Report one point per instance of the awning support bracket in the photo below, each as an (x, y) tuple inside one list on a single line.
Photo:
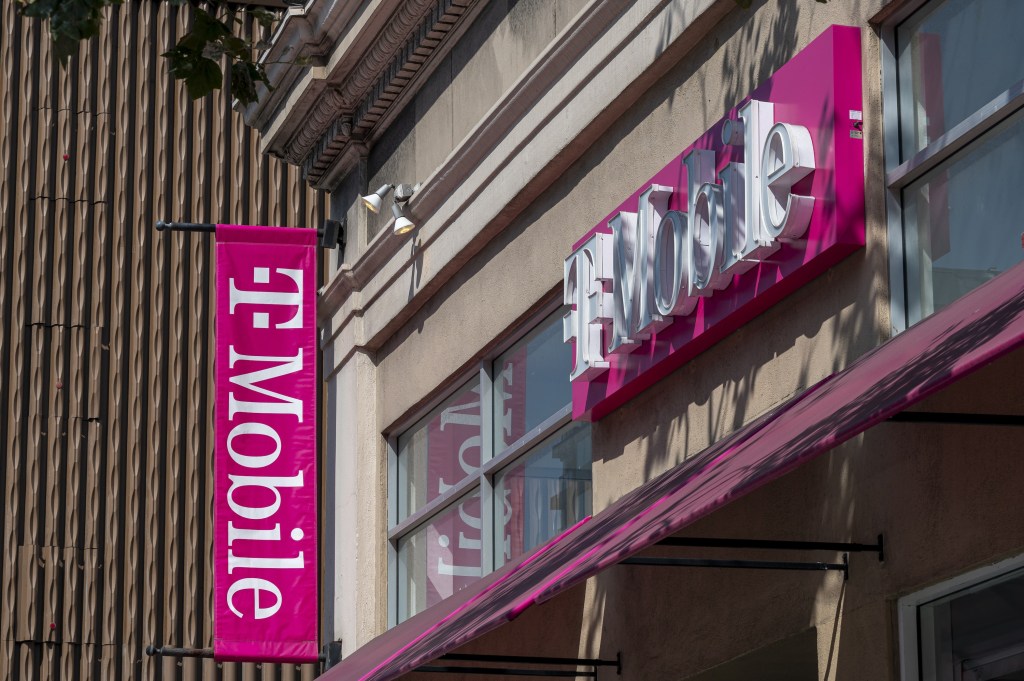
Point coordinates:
[(777, 545), (843, 567), (761, 544), (549, 671), (958, 418)]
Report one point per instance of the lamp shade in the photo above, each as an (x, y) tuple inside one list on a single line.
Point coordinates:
[(374, 201), (403, 225)]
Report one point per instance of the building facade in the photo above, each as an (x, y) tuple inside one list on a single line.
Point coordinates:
[(679, 271), (106, 347)]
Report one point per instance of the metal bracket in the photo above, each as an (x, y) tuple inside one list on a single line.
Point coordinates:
[(778, 545), (769, 544), (843, 567), (330, 655), (171, 651), (593, 663), (958, 418), (332, 234)]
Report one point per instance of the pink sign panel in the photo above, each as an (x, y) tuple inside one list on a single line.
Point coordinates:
[(767, 199), (265, 489), (454, 539)]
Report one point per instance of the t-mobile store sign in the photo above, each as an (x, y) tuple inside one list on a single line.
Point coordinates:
[(265, 501), (767, 199)]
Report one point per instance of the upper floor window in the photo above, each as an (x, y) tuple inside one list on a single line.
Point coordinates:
[(955, 150), (492, 472), (970, 628)]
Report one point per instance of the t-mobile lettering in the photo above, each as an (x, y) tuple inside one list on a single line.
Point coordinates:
[(768, 198), (265, 472)]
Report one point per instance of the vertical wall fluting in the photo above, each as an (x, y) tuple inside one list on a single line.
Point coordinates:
[(106, 347)]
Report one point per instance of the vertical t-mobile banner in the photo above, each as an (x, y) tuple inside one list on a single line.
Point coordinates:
[(265, 503)]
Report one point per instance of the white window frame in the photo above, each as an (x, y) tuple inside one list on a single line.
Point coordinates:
[(907, 609), (900, 174), (483, 479)]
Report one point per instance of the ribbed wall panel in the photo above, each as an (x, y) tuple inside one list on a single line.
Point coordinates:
[(106, 348)]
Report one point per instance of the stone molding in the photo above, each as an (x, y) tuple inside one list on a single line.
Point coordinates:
[(313, 115), (372, 102), (553, 113)]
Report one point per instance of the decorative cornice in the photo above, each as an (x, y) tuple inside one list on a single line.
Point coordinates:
[(391, 40), (320, 117), (385, 77), (345, 95)]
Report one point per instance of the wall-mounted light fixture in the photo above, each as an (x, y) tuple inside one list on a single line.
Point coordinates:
[(403, 225), (373, 201), (403, 192)]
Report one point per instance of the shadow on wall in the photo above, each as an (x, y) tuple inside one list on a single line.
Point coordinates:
[(843, 308), (843, 496)]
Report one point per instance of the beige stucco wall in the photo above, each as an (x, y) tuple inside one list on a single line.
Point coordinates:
[(908, 481), (521, 267), (499, 46)]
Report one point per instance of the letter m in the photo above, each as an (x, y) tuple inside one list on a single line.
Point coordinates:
[(278, 403)]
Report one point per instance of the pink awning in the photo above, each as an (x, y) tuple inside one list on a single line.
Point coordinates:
[(970, 333)]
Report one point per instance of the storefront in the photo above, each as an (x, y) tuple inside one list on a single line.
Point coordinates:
[(689, 288)]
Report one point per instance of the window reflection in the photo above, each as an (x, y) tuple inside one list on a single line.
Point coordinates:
[(531, 382), (955, 57), (976, 634), (965, 218), (544, 493), (440, 558), (440, 451)]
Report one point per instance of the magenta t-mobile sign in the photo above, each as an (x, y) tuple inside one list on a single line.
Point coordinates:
[(767, 199), (265, 490)]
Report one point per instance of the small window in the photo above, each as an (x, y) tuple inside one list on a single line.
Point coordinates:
[(968, 629), (955, 150), (493, 471)]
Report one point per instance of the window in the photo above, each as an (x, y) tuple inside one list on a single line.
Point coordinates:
[(968, 629), (492, 472), (955, 150)]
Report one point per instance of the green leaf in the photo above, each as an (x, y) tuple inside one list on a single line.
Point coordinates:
[(244, 76), (201, 75), (236, 47), (70, 21), (206, 29)]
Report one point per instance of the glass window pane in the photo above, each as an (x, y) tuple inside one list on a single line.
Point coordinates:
[(440, 558), (976, 633), (962, 220), (531, 382), (955, 57), (440, 451), (543, 493)]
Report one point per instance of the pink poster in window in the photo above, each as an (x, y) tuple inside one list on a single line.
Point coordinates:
[(511, 382), (453, 550), (265, 477)]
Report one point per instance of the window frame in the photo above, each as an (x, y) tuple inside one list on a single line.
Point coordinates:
[(907, 609), (491, 463), (899, 174)]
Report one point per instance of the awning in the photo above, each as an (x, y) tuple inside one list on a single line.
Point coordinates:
[(970, 333)]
